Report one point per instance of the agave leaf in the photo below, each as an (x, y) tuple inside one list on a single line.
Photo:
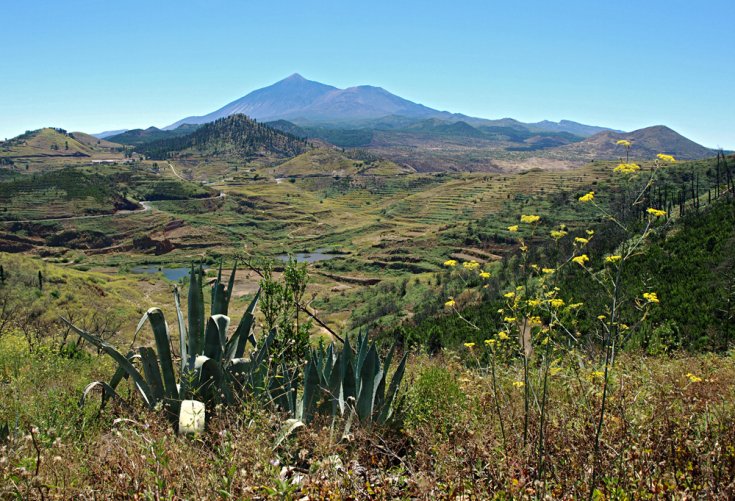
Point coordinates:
[(370, 375), (288, 427), (236, 344), (230, 287), (196, 316), (380, 392), (163, 347), (116, 378), (215, 335), (387, 411), (182, 331), (152, 371), (335, 387), (349, 385), (107, 392), (311, 390), (214, 381), (121, 360), (260, 364)]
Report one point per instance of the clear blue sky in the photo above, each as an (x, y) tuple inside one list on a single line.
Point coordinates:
[(97, 65)]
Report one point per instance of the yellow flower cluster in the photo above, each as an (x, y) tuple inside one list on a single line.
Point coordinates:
[(651, 297), (627, 168), (666, 158), (530, 219), (580, 260), (557, 234), (469, 346), (509, 319), (451, 303), (490, 342), (588, 197), (656, 212), (597, 375), (533, 303), (509, 295), (548, 271), (556, 303), (450, 263), (484, 274), (471, 265), (513, 228), (581, 240), (519, 384), (503, 336), (613, 259), (693, 378), (623, 142)]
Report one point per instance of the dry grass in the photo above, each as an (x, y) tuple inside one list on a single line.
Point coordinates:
[(665, 437)]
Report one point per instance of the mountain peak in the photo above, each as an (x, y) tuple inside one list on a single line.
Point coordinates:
[(294, 78)]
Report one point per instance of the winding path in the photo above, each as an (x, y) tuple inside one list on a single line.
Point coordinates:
[(145, 207)]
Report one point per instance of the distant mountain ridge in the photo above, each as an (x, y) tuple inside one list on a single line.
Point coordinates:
[(306, 102), (645, 144)]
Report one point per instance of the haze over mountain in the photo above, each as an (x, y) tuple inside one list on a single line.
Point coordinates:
[(306, 102)]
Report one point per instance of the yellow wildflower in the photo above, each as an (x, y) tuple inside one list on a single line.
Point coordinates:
[(627, 168), (580, 260), (613, 259), (553, 371), (556, 303), (666, 158), (534, 267), (548, 271), (471, 265), (597, 375), (656, 212), (533, 303), (557, 234), (601, 317), (651, 297), (588, 197), (484, 274), (490, 342), (513, 228), (450, 263), (519, 384), (530, 219), (451, 303), (509, 319), (581, 240), (623, 142), (503, 336), (469, 346), (574, 306), (693, 378), (509, 295), (590, 232)]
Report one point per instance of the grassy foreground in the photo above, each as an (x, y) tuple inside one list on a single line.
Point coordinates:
[(669, 434)]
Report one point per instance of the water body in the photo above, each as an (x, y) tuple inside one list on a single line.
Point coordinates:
[(310, 257), (173, 274)]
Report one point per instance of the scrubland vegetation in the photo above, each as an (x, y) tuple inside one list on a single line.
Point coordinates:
[(535, 336)]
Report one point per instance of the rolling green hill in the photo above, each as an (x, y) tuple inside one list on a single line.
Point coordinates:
[(236, 136)]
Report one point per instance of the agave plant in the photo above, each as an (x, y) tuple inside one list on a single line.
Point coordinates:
[(347, 382), (212, 368)]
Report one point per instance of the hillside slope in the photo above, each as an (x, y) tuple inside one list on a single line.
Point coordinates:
[(646, 143), (236, 136)]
